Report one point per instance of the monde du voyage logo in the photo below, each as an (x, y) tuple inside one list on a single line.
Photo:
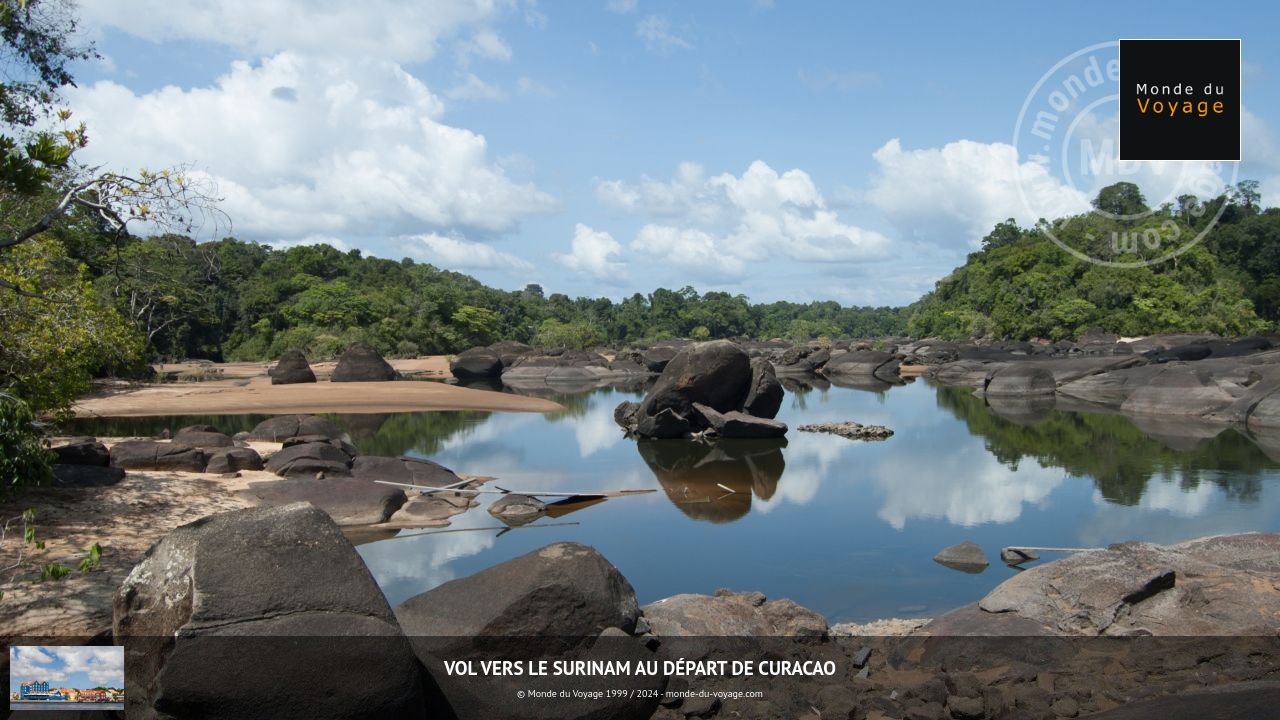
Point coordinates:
[(1180, 100)]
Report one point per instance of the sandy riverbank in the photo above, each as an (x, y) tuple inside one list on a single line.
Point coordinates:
[(244, 388)]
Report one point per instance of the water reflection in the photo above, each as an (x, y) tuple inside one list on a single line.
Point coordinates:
[(715, 482)]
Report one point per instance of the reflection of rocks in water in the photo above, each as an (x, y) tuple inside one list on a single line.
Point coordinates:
[(492, 384), (1176, 433), (804, 383), (715, 482), (1267, 441), (1026, 410), (368, 534), (868, 383), (554, 388), (363, 425)]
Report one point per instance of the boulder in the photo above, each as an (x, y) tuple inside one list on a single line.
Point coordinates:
[(1110, 388), (269, 589), (309, 458), (361, 363), (864, 362), (229, 460), (517, 509), (346, 500), (508, 351), (478, 362), (292, 368), (1020, 380), (80, 476), (656, 358), (283, 427), (734, 424), (411, 471), (1181, 390), (1265, 414), (732, 614), (666, 425), (82, 451), (199, 436), (764, 398), (153, 455), (965, 557), (1216, 586), (564, 594), (625, 415), (1185, 353)]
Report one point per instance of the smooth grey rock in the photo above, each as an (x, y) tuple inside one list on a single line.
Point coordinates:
[(307, 458), (1021, 379), (283, 427), (517, 509), (966, 557), (230, 460), (152, 455), (478, 362), (291, 369), (201, 438), (729, 614), (346, 500)]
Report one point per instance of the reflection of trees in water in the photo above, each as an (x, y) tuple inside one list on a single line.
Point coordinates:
[(715, 482), (155, 425), (1117, 454), (395, 434)]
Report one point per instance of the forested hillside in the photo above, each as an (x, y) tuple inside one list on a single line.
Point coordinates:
[(1020, 285)]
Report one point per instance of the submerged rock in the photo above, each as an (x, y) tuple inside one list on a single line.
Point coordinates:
[(965, 557), (517, 509)]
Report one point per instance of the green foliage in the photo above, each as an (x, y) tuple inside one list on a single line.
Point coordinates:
[(573, 335), (54, 571), (23, 459), (92, 557), (1022, 286), (55, 329)]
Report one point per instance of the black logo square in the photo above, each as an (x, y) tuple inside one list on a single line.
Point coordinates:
[(1179, 99)]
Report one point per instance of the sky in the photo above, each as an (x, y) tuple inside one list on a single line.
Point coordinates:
[(70, 666), (784, 150)]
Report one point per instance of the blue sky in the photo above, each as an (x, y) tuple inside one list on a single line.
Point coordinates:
[(70, 666), (608, 147)]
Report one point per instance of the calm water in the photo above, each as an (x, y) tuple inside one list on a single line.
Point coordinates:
[(844, 527)]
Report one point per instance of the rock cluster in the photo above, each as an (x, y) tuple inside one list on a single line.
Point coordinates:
[(850, 430), (712, 388)]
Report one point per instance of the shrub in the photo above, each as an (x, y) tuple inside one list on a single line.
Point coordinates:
[(23, 459)]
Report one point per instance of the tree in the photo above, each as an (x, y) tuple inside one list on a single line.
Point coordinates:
[(1122, 199)]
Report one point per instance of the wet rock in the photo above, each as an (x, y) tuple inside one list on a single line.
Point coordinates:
[(730, 614), (81, 476), (291, 369), (1021, 379), (361, 363), (345, 500), (82, 451), (1018, 556), (737, 425), (965, 557), (517, 509), (283, 427), (152, 455), (230, 460), (764, 399), (850, 430), (222, 594)]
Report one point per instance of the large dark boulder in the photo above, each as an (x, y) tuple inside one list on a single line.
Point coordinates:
[(229, 460), (153, 455), (202, 437), (716, 374), (306, 459), (82, 451), (864, 362), (410, 471), (361, 363), (1021, 380), (346, 500), (283, 427), (764, 398), (508, 351), (478, 362), (262, 613), (656, 358), (82, 476), (565, 594), (292, 368), (666, 425), (737, 425)]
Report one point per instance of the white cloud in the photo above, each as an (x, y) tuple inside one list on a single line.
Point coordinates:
[(621, 6), (401, 30), (358, 150), (456, 253), (960, 191), (593, 253), (485, 44), (473, 88), (721, 223), (656, 32)]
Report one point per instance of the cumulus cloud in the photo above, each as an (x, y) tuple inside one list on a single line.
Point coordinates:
[(592, 253), (350, 147), (485, 44), (656, 32), (456, 253), (401, 30), (960, 191), (721, 223), (473, 88)]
